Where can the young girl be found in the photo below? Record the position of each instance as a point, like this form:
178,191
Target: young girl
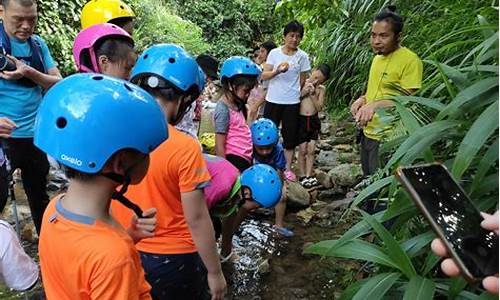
104,48
233,139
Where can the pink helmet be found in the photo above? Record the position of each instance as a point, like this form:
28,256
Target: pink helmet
86,40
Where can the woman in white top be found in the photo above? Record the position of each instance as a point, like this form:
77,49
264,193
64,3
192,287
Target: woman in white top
286,69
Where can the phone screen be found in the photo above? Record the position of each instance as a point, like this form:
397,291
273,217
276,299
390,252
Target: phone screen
457,218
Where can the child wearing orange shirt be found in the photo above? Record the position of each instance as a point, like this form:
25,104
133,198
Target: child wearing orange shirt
181,260
94,126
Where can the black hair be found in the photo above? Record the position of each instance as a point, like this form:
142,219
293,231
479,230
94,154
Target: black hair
294,26
268,45
121,22
237,80
209,65
24,3
115,48
389,15
325,70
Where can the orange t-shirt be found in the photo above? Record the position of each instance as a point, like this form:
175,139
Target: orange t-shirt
177,166
84,258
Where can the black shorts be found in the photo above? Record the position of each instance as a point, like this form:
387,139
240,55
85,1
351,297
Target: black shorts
288,116
309,128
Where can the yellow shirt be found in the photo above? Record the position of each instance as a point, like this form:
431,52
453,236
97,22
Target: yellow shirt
402,68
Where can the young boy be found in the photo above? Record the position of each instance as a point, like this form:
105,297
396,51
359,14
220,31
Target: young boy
267,150
313,98
182,256
230,197
94,126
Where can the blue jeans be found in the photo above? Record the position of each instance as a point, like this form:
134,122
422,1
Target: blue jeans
176,276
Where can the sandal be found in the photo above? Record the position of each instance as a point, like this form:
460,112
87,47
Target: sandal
313,181
284,231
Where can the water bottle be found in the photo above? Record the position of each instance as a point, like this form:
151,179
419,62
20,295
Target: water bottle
6,64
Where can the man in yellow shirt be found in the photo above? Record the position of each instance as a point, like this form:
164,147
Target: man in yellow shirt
393,66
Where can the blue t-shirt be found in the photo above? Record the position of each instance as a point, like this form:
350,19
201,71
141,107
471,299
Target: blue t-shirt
276,159
20,103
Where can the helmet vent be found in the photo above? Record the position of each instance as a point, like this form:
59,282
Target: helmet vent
145,56
97,77
121,6
91,164
171,60
272,181
61,122
128,87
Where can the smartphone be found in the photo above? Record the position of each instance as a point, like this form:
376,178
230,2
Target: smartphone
453,217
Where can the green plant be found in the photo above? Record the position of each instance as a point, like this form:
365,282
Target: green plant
454,120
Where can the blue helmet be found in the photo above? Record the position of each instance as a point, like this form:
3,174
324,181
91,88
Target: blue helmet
86,118
264,132
265,184
170,63
238,65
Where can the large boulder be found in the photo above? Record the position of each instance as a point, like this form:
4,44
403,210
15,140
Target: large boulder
326,159
346,175
297,195
324,179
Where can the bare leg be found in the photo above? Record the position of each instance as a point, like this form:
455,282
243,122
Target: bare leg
310,157
280,209
302,159
289,158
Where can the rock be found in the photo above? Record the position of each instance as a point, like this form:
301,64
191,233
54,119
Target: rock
322,115
323,145
325,130
327,159
327,195
341,140
314,193
263,267
297,195
306,215
344,158
324,179
343,148
318,205
28,233
332,210
346,175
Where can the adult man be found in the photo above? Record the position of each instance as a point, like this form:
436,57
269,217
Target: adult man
20,96
393,65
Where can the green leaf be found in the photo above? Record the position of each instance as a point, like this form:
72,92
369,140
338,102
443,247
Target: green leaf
420,140
376,287
430,263
355,249
487,296
487,32
351,290
469,94
432,103
371,189
457,285
410,123
419,288
416,243
394,250
487,162
474,140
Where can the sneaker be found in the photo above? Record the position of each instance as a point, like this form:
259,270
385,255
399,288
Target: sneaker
290,176
284,231
313,181
306,182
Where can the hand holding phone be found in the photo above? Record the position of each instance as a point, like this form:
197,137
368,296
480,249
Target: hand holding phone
454,218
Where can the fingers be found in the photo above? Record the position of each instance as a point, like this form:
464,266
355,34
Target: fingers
450,268
490,222
149,213
438,248
490,283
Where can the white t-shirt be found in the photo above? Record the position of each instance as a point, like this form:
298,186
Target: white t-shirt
17,270
284,88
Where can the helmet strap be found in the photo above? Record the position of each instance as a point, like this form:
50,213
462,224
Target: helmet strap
124,180
240,103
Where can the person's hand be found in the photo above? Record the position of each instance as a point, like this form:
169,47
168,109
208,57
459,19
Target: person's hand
20,72
283,67
309,88
6,127
356,105
365,114
217,285
451,269
144,227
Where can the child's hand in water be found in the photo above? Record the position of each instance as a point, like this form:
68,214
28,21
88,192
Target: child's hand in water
144,227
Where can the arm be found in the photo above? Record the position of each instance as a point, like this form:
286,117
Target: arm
270,72
220,145
319,99
366,112
23,70
201,228
303,77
